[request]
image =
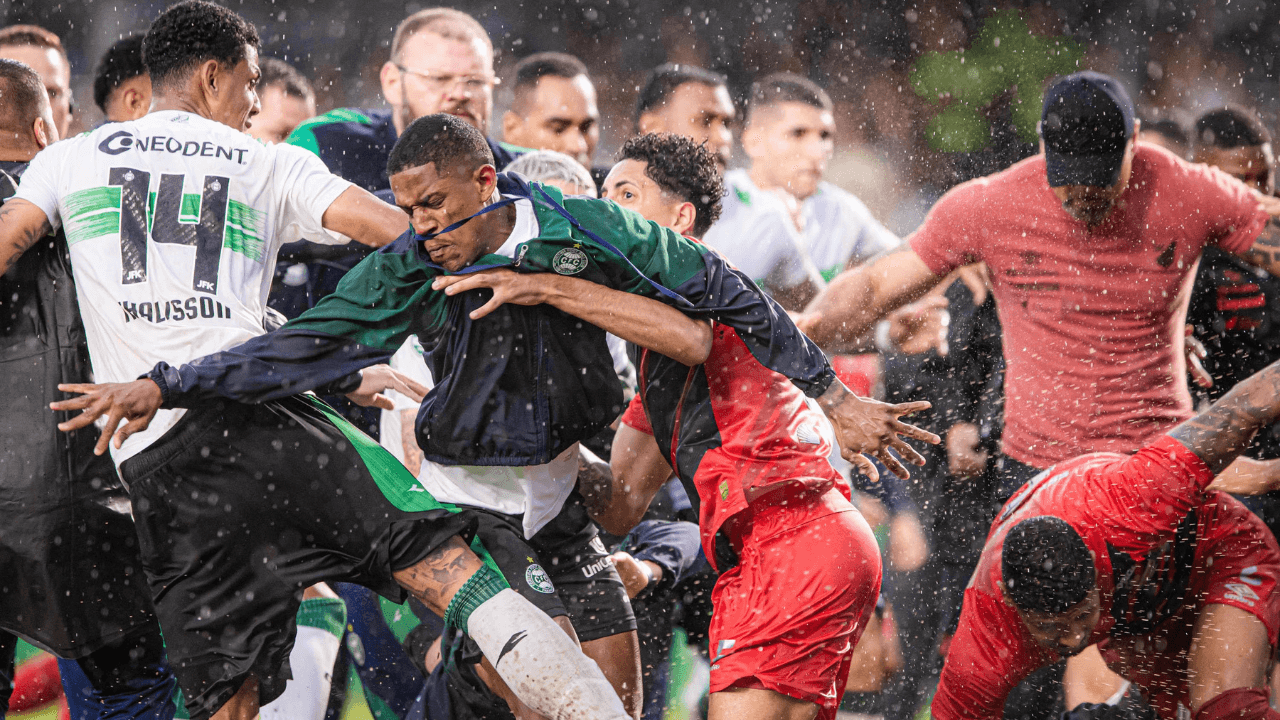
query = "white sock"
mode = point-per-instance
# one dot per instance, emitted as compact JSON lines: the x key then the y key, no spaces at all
{"x":315,"y":649}
{"x":540,"y":663}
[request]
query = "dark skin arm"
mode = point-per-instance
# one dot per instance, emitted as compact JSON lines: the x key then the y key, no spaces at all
{"x":1219,"y":434}
{"x":637,"y":472}
{"x":361,"y":216}
{"x":22,"y":224}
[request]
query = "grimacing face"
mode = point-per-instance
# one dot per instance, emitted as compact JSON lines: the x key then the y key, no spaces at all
{"x":1065,"y":633}
{"x":437,"y":74}
{"x":559,"y":114}
{"x":434,"y":201}
{"x":790,"y":145}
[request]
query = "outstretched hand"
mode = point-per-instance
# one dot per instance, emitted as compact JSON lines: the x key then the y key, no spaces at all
{"x":135,"y":401}
{"x":376,"y":379}
{"x":508,"y":286}
{"x":863,"y":425}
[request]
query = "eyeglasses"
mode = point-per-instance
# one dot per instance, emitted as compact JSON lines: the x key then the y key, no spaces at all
{"x":441,"y":83}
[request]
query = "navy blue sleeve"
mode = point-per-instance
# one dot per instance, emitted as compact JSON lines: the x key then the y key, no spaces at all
{"x":675,"y":546}
{"x":285,"y":362}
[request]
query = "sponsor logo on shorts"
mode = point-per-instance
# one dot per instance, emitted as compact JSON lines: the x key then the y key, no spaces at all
{"x":597,"y":566}
{"x":722,"y":648}
{"x":569,"y":261}
{"x":537,"y":579}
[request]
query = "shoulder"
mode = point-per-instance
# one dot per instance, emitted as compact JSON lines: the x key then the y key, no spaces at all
{"x":338,"y":122}
{"x":504,"y":153}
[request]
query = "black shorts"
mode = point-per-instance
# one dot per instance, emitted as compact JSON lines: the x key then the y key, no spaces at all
{"x":564,"y":568}
{"x":240,"y":507}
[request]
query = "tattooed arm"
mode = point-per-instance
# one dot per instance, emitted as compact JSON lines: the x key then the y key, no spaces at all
{"x":1222,"y":432}
{"x":22,"y":224}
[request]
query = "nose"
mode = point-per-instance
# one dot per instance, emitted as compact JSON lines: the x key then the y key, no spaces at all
{"x":422,"y":223}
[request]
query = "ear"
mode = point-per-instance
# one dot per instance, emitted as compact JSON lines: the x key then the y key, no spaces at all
{"x":686,"y":216}
{"x":390,"y":77}
{"x":753,"y":140}
{"x":486,"y":179}
{"x":511,"y":124}
{"x":41,"y":133}
{"x":210,"y":79}
{"x":136,"y":102}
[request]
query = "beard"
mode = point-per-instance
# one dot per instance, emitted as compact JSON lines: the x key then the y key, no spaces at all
{"x":1089,"y":213}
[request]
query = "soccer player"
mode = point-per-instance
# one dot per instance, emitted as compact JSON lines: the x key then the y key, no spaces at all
{"x":1090,"y":248}
{"x":553,"y":107}
{"x":121,"y":85}
{"x":239,"y":507}
{"x":688,"y":100}
{"x":287,"y":101}
{"x":1174,"y":582}
{"x":70,"y":577}
{"x":42,"y":51}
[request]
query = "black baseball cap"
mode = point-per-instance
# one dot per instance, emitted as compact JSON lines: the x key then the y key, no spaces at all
{"x":1086,"y":123}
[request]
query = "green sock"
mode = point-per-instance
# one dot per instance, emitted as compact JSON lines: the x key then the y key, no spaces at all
{"x":474,"y":592}
{"x":328,"y":614}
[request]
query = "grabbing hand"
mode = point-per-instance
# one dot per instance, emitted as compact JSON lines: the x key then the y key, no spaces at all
{"x":920,"y":326}
{"x":135,"y":401}
{"x":863,"y":425}
{"x":376,"y":379}
{"x":1196,"y":353}
{"x":636,"y":574}
{"x":508,"y":286}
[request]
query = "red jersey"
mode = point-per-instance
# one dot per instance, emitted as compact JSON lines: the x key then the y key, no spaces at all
{"x":1160,"y":543}
{"x":1092,"y":318}
{"x":750,"y":433}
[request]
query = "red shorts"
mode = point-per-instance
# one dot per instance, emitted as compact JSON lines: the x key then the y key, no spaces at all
{"x":788,"y":615}
{"x":1236,"y":563}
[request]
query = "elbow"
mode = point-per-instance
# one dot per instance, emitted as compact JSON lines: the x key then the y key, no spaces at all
{"x":698,"y":345}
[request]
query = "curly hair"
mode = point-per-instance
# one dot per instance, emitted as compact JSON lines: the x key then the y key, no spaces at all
{"x":683,"y":168}
{"x":192,"y":32}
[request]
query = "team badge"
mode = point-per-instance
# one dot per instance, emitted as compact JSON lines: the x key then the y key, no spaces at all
{"x":537,"y":579}
{"x":569,"y":261}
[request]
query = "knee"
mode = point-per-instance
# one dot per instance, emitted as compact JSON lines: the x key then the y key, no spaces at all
{"x":1238,"y":704}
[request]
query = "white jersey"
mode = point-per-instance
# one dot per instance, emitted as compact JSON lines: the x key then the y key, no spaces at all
{"x":537,"y":492}
{"x":173,"y":223}
{"x":840,"y":230}
{"x":755,"y":232}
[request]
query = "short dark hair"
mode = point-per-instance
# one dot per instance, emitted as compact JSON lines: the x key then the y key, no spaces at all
{"x":1045,"y":565}
{"x":22,"y":97}
{"x":193,"y":32}
{"x":532,"y":69}
{"x":785,"y":87}
{"x":440,"y":139}
{"x":683,"y":168}
{"x":276,"y":72}
{"x":445,"y":22}
{"x":121,"y":62}
{"x":31,"y":36}
{"x":1169,"y":129}
{"x":1230,"y":127}
{"x":663,"y":81}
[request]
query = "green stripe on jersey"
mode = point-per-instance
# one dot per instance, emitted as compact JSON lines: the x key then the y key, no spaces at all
{"x":245,"y":230}
{"x":92,"y":213}
{"x":397,"y":484}
{"x":304,"y":135}
{"x":190,"y":209}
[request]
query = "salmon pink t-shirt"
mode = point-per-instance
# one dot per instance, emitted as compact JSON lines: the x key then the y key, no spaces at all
{"x":1092,"y":318}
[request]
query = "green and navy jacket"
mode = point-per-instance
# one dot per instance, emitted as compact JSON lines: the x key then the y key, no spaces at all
{"x":521,"y":385}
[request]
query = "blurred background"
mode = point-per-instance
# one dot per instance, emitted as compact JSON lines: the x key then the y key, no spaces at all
{"x":1177,"y":59}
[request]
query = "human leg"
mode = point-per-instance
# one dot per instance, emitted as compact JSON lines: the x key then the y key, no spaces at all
{"x":129,"y":678}
{"x":758,"y":704}
{"x":321,"y":620}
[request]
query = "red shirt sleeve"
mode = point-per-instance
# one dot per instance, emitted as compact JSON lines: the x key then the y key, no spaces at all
{"x":990,"y":654}
{"x":949,"y":238}
{"x":1239,"y":218}
{"x":636,"y":417}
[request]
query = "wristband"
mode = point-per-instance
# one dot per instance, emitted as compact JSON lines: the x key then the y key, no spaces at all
{"x":647,"y":572}
{"x":884,"y":343}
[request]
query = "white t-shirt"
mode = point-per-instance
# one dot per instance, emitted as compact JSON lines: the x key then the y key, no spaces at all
{"x":173,"y":223}
{"x":756,"y":234}
{"x":537,"y":492}
{"x":839,"y":230}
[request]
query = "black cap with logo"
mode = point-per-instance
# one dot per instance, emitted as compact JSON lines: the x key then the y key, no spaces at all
{"x":1086,"y":124}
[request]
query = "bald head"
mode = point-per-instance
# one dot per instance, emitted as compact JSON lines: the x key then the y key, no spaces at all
{"x":26,"y":118}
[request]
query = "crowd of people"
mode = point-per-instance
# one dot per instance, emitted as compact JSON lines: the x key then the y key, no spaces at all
{"x":563,"y":409}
